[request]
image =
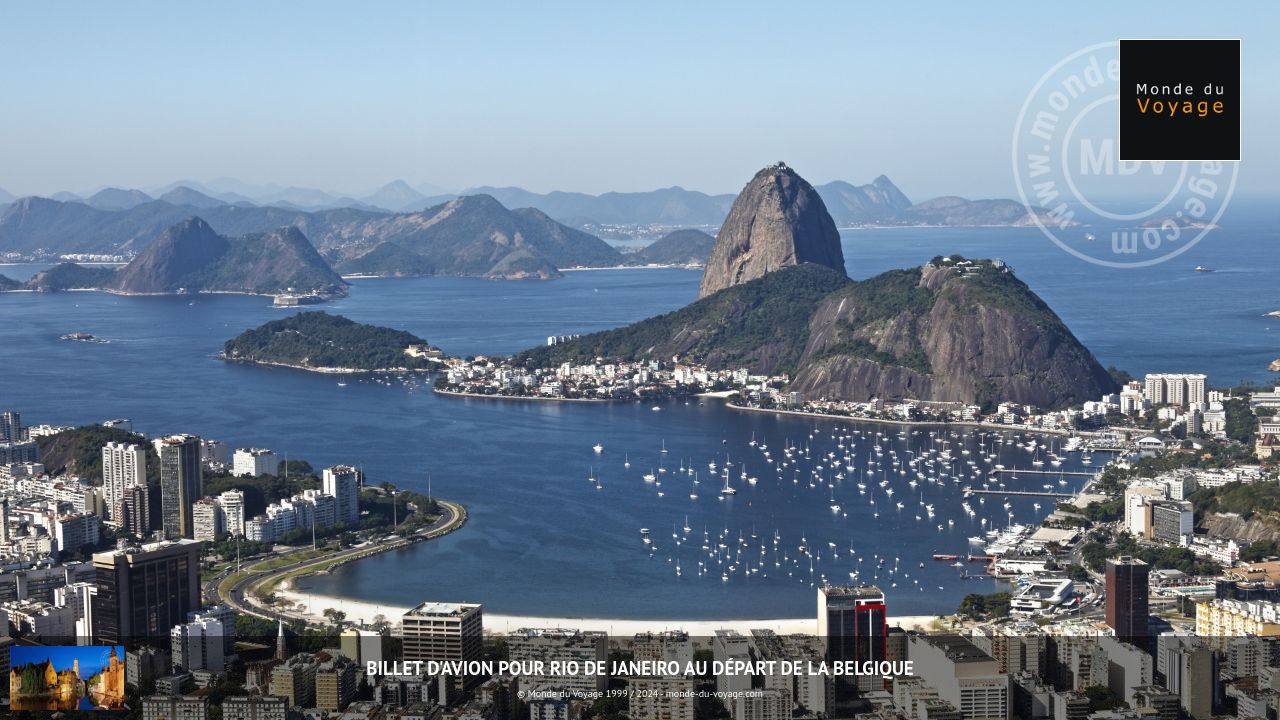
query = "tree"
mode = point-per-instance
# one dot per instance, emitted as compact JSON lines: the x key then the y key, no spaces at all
{"x":1103,"y":698}
{"x":335,"y":616}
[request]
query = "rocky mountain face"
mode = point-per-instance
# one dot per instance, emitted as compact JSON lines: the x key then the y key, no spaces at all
{"x":190,"y":256}
{"x":682,"y":247}
{"x":963,"y":331}
{"x":776,"y":299}
{"x":778,"y":220}
{"x":171,"y":259}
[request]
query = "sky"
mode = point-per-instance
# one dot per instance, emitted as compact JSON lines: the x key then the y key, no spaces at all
{"x":588,"y":97}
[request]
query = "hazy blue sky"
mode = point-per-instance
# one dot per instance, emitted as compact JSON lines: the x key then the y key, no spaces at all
{"x":589,"y":97}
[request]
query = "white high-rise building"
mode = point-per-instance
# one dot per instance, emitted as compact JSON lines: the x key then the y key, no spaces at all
{"x":962,"y":674}
{"x":207,"y":519}
{"x":198,"y":645}
{"x":231,"y":502}
{"x":1195,"y":389}
{"x":252,"y":462}
{"x":124,"y":465}
{"x":1180,"y":389}
{"x":340,"y":481}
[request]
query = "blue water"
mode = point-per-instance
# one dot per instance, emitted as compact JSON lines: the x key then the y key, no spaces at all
{"x":542,"y":539}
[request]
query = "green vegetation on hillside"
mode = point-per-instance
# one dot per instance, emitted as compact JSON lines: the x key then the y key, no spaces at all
{"x":261,"y":491}
{"x":79,"y":451}
{"x":881,"y":299}
{"x":1242,"y":424}
{"x":1245,"y":500}
{"x":387,"y":259}
{"x":991,"y":287}
{"x":1260,"y":550}
{"x":762,"y":323}
{"x":1159,"y":557}
{"x":320,"y":340}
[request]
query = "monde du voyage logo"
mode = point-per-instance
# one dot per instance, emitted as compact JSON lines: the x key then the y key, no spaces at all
{"x":1125,"y":152}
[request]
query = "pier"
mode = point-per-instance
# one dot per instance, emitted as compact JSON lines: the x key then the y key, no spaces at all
{"x":1055,"y":473}
{"x":1026,"y":493}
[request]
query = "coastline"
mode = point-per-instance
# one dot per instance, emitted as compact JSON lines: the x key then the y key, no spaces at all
{"x":363,"y":611}
{"x":460,"y":393}
{"x":539,"y":398}
{"x":322,"y":370}
{"x":125,"y":293}
{"x":918,"y":423}
{"x":651,"y":266}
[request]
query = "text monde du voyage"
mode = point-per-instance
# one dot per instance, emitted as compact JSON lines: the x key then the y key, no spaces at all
{"x":1181,"y":99}
{"x":638,"y":668}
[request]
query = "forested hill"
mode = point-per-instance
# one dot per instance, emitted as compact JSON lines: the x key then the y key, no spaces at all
{"x":320,"y":341}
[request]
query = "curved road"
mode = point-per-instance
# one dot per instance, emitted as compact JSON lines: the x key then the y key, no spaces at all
{"x":236,"y":594}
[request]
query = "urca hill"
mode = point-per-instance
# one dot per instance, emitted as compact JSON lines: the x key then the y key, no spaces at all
{"x":776,"y":298}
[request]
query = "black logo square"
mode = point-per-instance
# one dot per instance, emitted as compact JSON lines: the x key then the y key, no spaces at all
{"x":1179,"y":99}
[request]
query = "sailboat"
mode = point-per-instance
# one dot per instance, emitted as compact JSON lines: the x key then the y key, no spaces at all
{"x":727,"y":489}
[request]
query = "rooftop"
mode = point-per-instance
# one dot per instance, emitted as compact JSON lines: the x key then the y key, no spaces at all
{"x":870,"y":592}
{"x":443,"y":609}
{"x":956,"y":648}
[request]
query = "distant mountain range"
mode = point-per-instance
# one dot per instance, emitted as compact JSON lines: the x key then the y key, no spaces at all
{"x":877,"y":203}
{"x":470,"y":236}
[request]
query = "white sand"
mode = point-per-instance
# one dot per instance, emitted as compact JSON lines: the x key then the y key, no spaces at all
{"x":360,"y":611}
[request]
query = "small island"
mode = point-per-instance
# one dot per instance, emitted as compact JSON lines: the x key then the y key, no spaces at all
{"x":319,"y":342}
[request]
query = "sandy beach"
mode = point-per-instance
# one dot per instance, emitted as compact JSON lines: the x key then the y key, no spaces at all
{"x":360,"y":611}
